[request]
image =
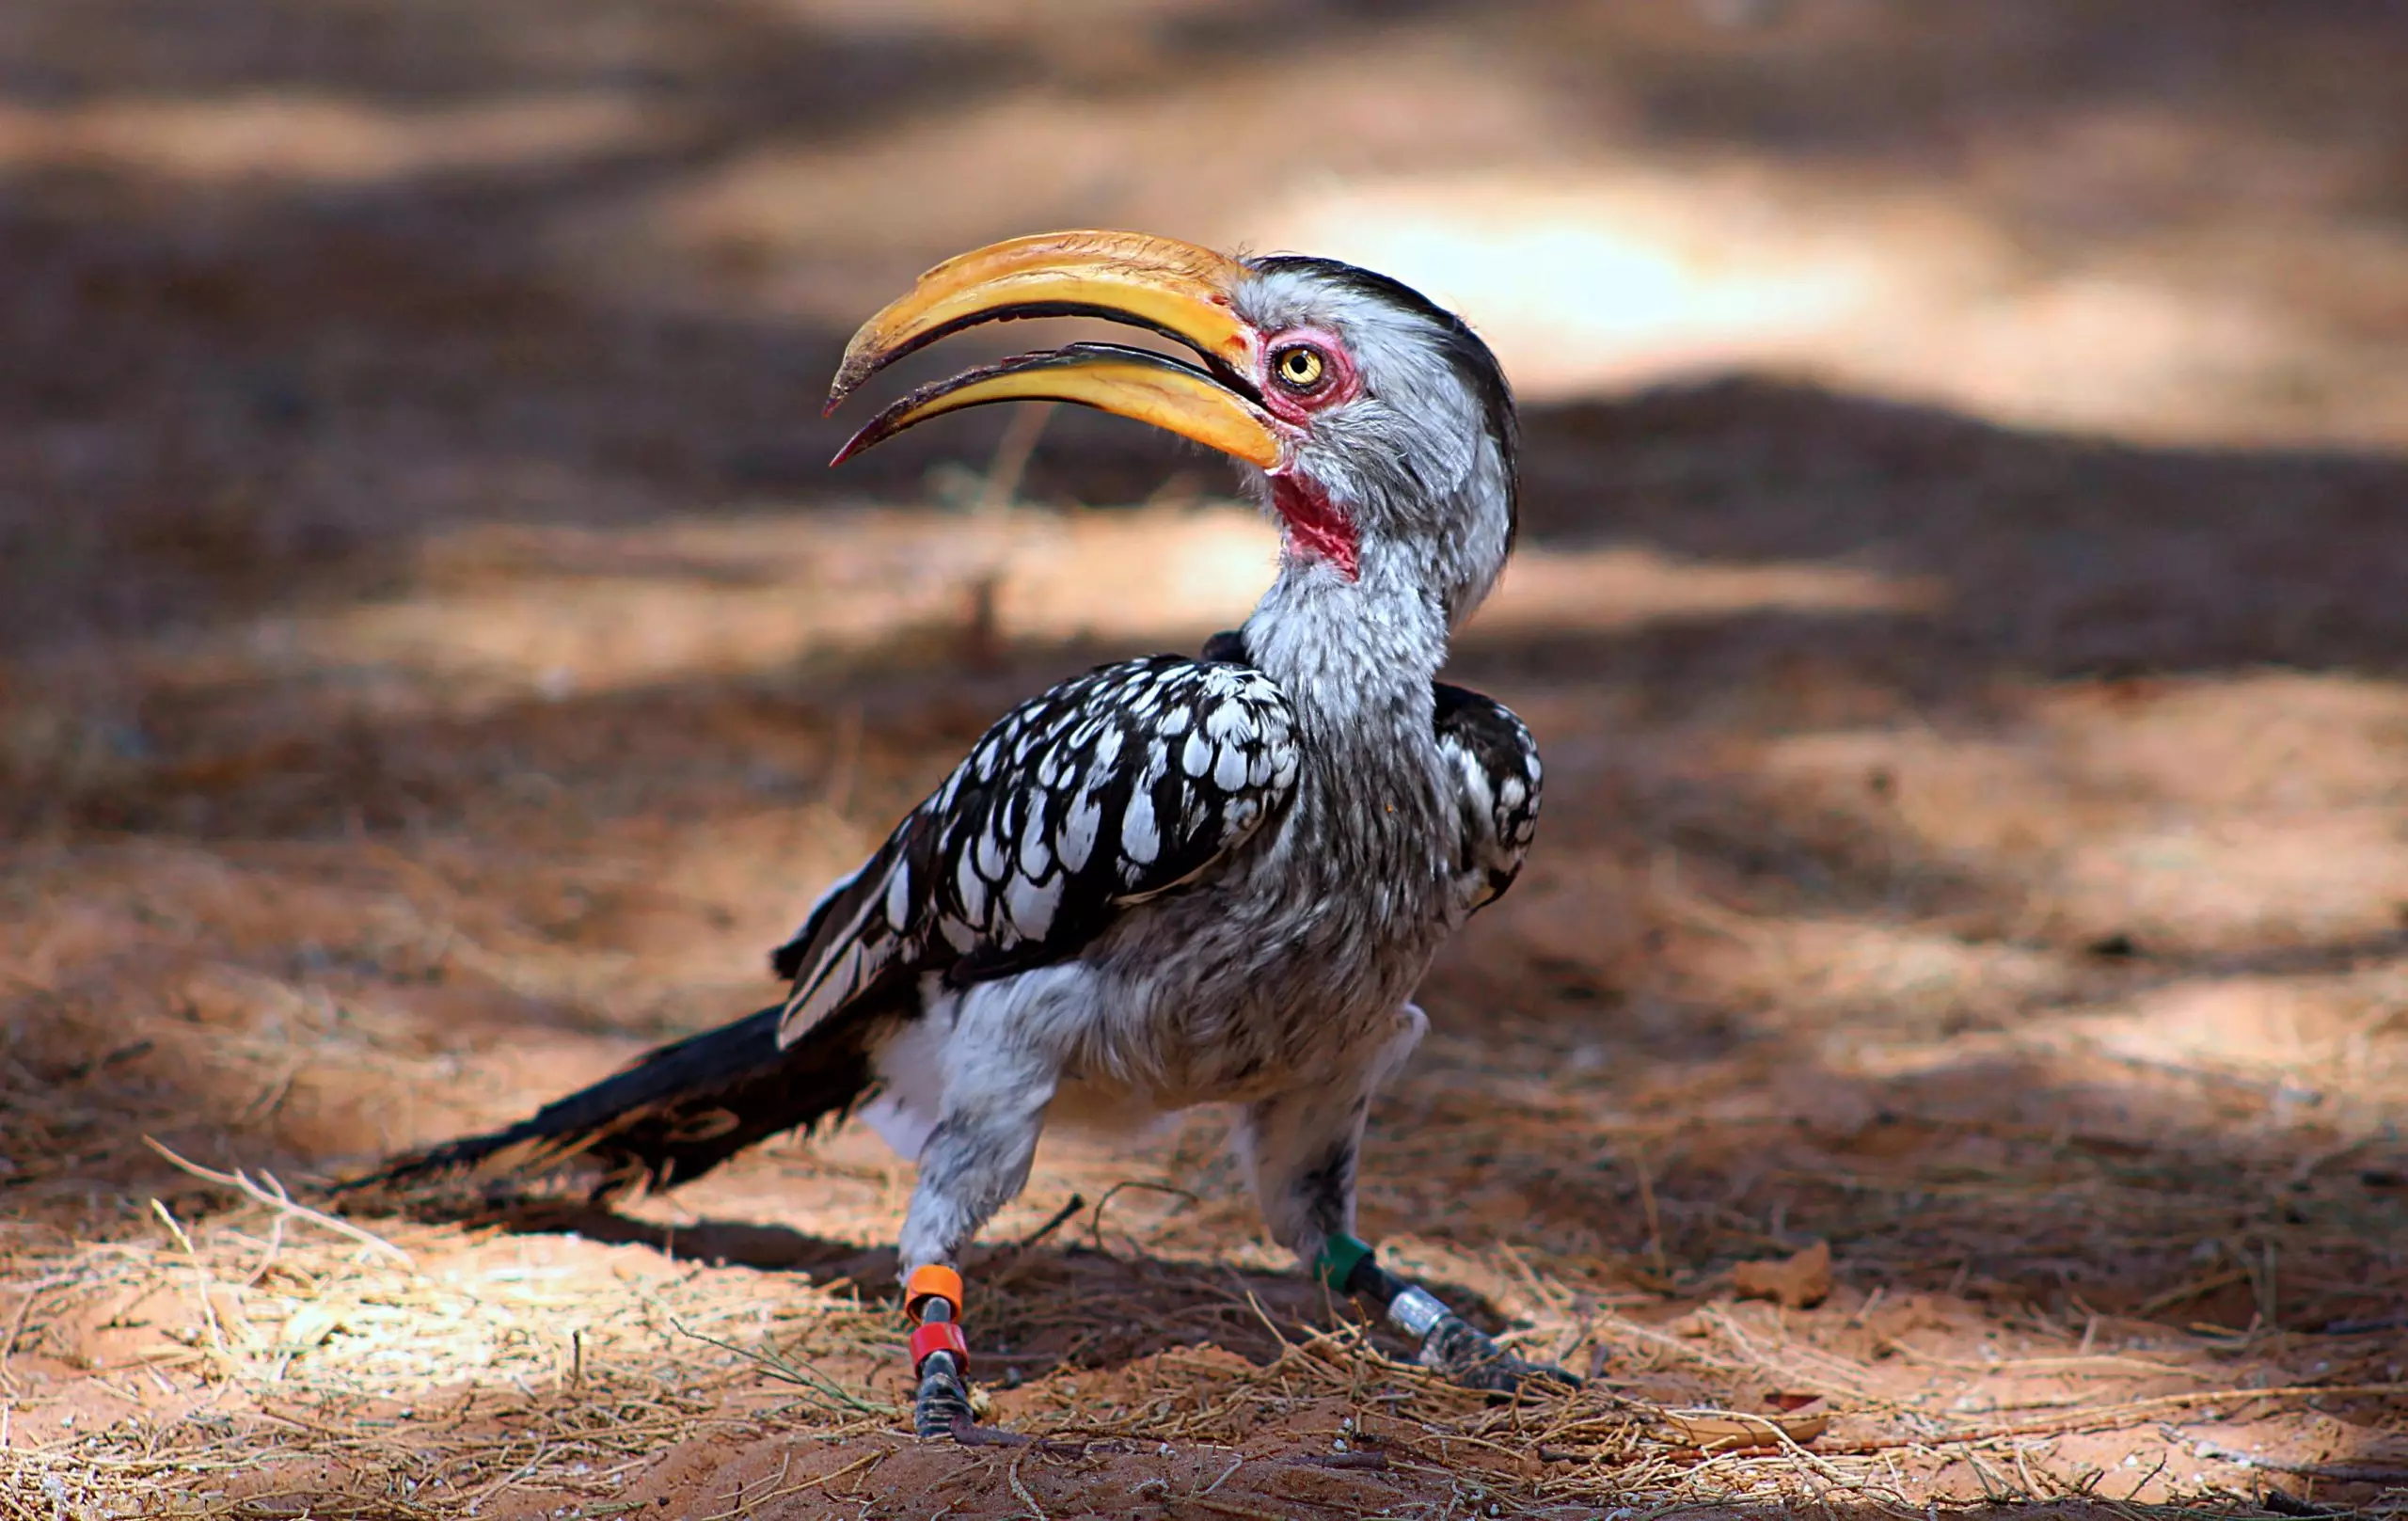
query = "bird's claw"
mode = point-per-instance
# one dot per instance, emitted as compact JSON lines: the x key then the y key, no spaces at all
{"x":1468,"y":1357}
{"x":943,"y":1408}
{"x":944,"y":1411}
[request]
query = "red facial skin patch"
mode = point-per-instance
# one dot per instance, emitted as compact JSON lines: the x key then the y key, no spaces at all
{"x":1316,"y":526}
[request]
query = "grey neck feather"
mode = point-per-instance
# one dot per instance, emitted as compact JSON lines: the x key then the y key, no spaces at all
{"x":1354,"y":656}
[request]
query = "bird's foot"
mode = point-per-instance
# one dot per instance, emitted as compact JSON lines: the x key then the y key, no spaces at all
{"x":943,"y":1408}
{"x":939,"y":1354}
{"x":1466,"y":1355}
{"x":1449,"y":1345}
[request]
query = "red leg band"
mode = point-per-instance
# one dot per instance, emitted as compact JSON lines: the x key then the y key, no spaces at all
{"x":940,"y":1335}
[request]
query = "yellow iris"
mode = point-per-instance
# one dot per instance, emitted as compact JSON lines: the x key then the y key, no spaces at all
{"x":1299,"y":367}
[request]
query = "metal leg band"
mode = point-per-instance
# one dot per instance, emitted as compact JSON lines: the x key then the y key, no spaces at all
{"x":1415,"y":1311}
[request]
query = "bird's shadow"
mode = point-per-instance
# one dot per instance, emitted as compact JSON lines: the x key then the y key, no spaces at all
{"x":1041,"y":1305}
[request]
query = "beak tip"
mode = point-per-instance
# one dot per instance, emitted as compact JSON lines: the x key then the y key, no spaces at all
{"x":861,"y":361}
{"x":855,"y":445}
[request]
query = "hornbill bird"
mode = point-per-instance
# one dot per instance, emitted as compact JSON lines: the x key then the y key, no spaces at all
{"x":1168,"y":881}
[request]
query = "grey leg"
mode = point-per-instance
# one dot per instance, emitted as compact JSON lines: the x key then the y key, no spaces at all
{"x":1302,"y":1149}
{"x":975,"y":1160}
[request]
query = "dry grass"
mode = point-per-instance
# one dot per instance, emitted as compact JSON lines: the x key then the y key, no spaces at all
{"x":2084,"y":1206}
{"x":287,"y":1375}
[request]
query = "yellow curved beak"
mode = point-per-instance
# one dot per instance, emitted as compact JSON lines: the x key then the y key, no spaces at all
{"x":1175,"y":289}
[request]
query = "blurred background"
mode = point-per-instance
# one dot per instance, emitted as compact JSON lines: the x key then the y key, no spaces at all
{"x":292,"y":288}
{"x":1964,"y":604}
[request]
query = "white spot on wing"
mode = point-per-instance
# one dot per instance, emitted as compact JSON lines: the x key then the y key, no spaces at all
{"x":1031,"y":904}
{"x":1475,"y":778}
{"x":839,"y":983}
{"x":973,"y":889}
{"x":1196,"y":758}
{"x":1229,"y":773}
{"x":1078,"y":832}
{"x":898,"y":896}
{"x":1139,"y":840}
{"x":1035,"y":858}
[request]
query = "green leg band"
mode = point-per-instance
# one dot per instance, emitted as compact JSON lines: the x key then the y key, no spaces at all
{"x":1339,"y":1257}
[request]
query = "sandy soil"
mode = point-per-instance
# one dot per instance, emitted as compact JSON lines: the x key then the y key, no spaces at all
{"x":1961,"y":608}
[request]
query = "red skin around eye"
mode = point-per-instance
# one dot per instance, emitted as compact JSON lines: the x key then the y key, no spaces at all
{"x":1318,"y":528}
{"x":1341,"y":383}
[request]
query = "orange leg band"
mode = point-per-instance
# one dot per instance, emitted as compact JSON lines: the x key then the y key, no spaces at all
{"x":932,"y":1281}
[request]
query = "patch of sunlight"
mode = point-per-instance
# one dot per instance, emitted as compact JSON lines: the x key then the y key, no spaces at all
{"x":2278,"y":1023}
{"x":1054,"y":24}
{"x":294,"y":137}
{"x":1862,"y":973}
{"x":494,"y":614}
{"x":1189,"y":157}
{"x":1598,"y":282}
{"x":1591,"y":589}
{"x":1594,"y":256}
{"x":2275,"y":740}
{"x":1844,"y":963}
{"x":1586,"y":280}
{"x":2202,"y":812}
{"x":2336,"y":874}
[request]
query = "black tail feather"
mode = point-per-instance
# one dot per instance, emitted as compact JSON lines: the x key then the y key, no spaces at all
{"x":666,"y":1118}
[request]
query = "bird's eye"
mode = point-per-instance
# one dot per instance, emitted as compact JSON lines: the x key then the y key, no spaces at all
{"x":1300,"y":368}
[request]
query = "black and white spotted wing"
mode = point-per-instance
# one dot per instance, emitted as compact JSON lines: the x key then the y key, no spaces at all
{"x":1109,"y":789}
{"x":1498,"y":762}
